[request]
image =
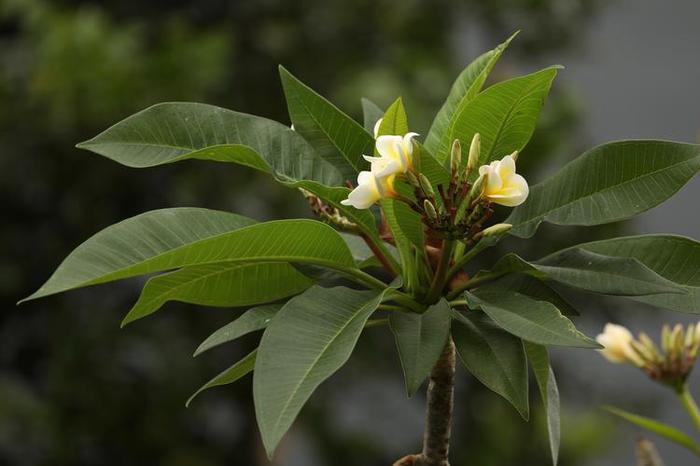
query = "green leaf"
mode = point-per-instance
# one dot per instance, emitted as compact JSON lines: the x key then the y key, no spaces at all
{"x":465,"y":88}
{"x":534,"y":288}
{"x":253,"y":319}
{"x":371,"y":114}
{"x":576,"y":267}
{"x":173,"y":238}
{"x":363,"y":255}
{"x":420,"y":339}
{"x":664,"y":430}
{"x":230,"y":375}
{"x":611,"y":182}
{"x":547,"y":384}
{"x":336,"y":137}
{"x":505,"y":115}
{"x":532,"y":320}
{"x":310,"y":338}
{"x":222,"y":285}
{"x":495,"y":357}
{"x":394,"y":120}
{"x":675,"y":258}
{"x":174,"y":131}
{"x":404,"y":221}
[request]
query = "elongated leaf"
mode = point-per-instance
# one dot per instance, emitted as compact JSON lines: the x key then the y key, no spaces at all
{"x":664,"y":430}
{"x":174,"y":131}
{"x":230,"y":375}
{"x":534,"y":288}
{"x":371,"y":114}
{"x":576,"y":267}
{"x":404,"y":221}
{"x":310,"y":338}
{"x":465,"y":88}
{"x":335,"y":136}
{"x":611,"y":182}
{"x":253,"y":319}
{"x":505,"y":115}
{"x":496,"y":358}
{"x":363,"y":255}
{"x":547,"y":384}
{"x":222,"y":285}
{"x":675,"y":258}
{"x":420,"y":339}
{"x":164,"y":240}
{"x":532,"y":320}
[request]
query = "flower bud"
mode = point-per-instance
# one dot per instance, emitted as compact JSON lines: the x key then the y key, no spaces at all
{"x":617,"y":342}
{"x":430,"y":210}
{"x":411,"y":177}
{"x":497,"y":229}
{"x":515,"y":155}
{"x":426,"y":186}
{"x":477,"y":190}
{"x":474,"y":151}
{"x":456,"y":156}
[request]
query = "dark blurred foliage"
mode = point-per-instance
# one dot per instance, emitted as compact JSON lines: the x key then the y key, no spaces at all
{"x":77,"y":390}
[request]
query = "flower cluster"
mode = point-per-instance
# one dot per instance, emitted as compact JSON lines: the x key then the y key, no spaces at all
{"x":670,"y":364}
{"x":461,"y":207}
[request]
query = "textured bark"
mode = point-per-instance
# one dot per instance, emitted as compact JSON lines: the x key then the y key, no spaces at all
{"x":438,"y":419}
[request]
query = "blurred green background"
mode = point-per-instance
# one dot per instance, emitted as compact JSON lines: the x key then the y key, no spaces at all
{"x":76,"y":390}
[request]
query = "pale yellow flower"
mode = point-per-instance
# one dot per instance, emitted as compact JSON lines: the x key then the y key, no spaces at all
{"x":369,"y":190}
{"x":504,"y":186}
{"x":617,"y":341}
{"x":395,"y":155}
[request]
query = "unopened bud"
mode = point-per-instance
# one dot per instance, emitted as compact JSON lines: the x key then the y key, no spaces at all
{"x":456,"y":156}
{"x":474,"y":151}
{"x":426,"y":186}
{"x":690,"y":336}
{"x":497,"y":229}
{"x":665,"y":338}
{"x":430,"y":210}
{"x":479,"y":185}
{"x":412,"y":179}
{"x":514,"y":155}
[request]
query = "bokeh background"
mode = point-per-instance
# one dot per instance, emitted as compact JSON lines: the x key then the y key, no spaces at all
{"x":76,"y":390}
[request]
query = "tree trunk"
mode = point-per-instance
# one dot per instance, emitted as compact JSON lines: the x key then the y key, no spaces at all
{"x":438,"y":419}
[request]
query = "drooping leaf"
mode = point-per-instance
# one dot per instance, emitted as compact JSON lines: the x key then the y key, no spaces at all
{"x":586,"y":270}
{"x":173,"y":238}
{"x":496,"y":358}
{"x":223,"y":284}
{"x":253,"y":319}
{"x":308,"y":340}
{"x":505,"y":115}
{"x":664,"y":430}
{"x":675,"y":258}
{"x":465,"y":88}
{"x":532,"y":320}
{"x":335,"y":136}
{"x":611,"y":182}
{"x":174,"y":131}
{"x":230,"y":375}
{"x":420,"y":339}
{"x":547,"y":384}
{"x":371,"y":113}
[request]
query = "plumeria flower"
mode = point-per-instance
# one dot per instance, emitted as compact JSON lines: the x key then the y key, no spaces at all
{"x":370,"y":189}
{"x":395,"y":155}
{"x":503,"y":185}
{"x":617,"y":341}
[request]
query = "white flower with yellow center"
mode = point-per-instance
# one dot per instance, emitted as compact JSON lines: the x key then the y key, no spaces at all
{"x":503,"y":185}
{"x":369,"y":190}
{"x":395,"y":155}
{"x":617,"y":341}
